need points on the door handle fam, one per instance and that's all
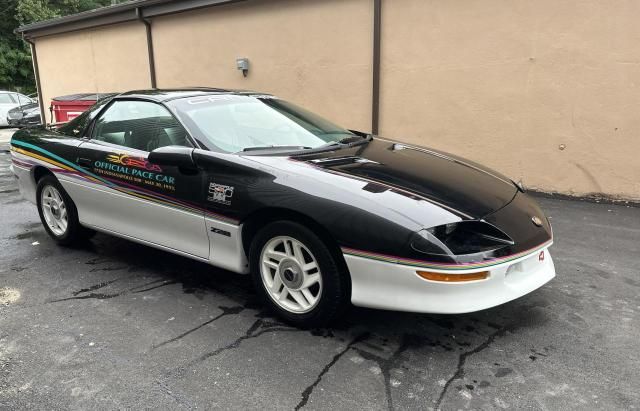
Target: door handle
(84, 162)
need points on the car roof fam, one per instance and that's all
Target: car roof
(11, 92)
(161, 95)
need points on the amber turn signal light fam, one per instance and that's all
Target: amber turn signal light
(453, 278)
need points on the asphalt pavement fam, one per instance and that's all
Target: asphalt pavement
(113, 324)
(5, 136)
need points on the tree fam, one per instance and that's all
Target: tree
(15, 60)
(16, 70)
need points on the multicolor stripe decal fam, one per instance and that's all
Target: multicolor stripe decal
(22, 164)
(62, 166)
(443, 266)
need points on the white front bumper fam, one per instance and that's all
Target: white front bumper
(391, 286)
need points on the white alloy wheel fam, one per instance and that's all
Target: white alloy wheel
(290, 274)
(54, 210)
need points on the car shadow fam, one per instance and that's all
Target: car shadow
(425, 347)
(202, 280)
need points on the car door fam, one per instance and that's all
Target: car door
(125, 194)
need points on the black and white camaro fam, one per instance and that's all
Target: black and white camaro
(319, 215)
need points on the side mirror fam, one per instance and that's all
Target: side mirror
(177, 156)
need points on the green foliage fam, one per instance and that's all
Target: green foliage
(15, 66)
(16, 70)
(29, 11)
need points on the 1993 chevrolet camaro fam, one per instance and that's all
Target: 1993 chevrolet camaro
(318, 215)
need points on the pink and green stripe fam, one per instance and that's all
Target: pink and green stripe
(443, 266)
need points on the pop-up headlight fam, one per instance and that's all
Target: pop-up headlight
(470, 240)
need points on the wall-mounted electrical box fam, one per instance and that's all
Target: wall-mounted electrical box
(243, 64)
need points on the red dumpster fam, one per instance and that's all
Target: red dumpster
(66, 108)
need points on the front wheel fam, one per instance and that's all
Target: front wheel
(297, 274)
(58, 213)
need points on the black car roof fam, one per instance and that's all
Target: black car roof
(84, 96)
(161, 95)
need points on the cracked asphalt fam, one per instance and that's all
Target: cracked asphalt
(113, 324)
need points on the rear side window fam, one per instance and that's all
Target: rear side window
(75, 127)
(140, 125)
(6, 98)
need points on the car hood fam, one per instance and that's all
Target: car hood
(24, 108)
(463, 187)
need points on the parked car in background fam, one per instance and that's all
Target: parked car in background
(26, 115)
(10, 100)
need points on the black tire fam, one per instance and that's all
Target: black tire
(334, 297)
(75, 232)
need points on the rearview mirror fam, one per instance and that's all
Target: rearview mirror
(177, 156)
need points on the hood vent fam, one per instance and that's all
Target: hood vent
(398, 147)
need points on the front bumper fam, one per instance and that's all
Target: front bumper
(391, 286)
(13, 122)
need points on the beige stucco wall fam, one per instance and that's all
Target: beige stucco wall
(315, 53)
(503, 82)
(507, 82)
(107, 59)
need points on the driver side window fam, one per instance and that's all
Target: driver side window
(140, 125)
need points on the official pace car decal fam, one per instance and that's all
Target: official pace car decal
(59, 165)
(137, 170)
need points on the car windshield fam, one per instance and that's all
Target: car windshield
(235, 123)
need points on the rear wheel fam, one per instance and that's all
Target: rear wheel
(58, 212)
(297, 274)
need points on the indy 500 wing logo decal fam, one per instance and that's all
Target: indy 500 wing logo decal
(138, 162)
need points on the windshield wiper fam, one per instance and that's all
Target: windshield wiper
(348, 141)
(354, 139)
(259, 148)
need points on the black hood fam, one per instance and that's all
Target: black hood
(467, 188)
